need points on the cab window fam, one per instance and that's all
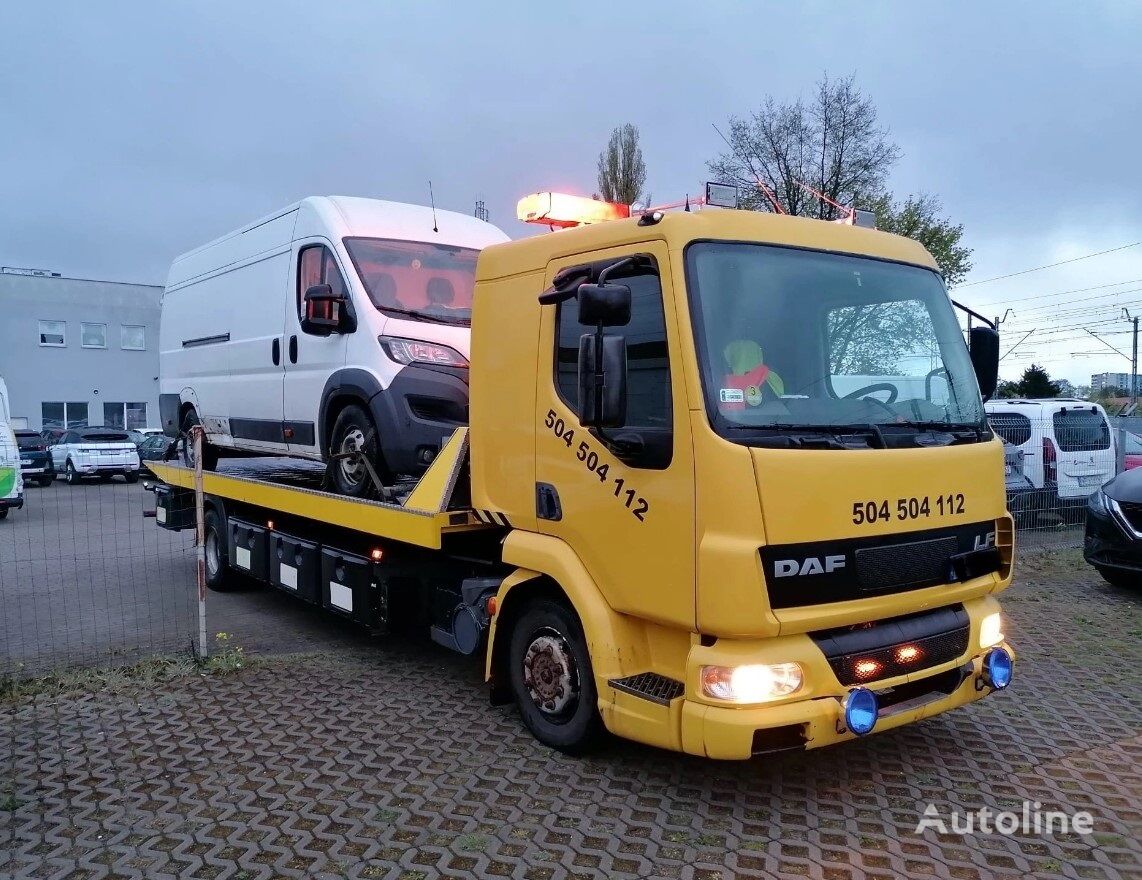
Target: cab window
(316, 265)
(646, 439)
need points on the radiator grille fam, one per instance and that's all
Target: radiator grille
(904, 566)
(911, 656)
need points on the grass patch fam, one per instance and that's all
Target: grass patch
(1046, 561)
(472, 842)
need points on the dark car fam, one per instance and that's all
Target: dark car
(35, 461)
(153, 448)
(52, 436)
(1113, 542)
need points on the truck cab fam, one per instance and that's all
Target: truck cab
(747, 456)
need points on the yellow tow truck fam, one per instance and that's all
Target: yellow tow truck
(727, 487)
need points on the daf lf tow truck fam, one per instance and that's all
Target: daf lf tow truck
(727, 487)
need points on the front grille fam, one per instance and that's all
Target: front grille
(1133, 514)
(873, 652)
(904, 566)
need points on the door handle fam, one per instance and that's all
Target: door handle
(293, 349)
(276, 351)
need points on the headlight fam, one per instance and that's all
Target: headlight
(1097, 502)
(756, 683)
(991, 630)
(413, 351)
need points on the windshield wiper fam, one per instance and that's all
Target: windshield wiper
(785, 429)
(428, 316)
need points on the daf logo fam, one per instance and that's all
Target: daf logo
(811, 565)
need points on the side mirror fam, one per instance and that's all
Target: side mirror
(326, 312)
(604, 305)
(984, 348)
(603, 380)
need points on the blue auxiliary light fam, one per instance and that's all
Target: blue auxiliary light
(997, 668)
(861, 708)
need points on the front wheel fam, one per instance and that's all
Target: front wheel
(354, 438)
(551, 678)
(70, 475)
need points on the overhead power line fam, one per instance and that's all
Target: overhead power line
(1004, 301)
(1049, 265)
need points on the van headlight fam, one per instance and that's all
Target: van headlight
(413, 351)
(991, 630)
(754, 683)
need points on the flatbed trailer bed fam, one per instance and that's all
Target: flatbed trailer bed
(423, 556)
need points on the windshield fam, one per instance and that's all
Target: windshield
(795, 338)
(415, 279)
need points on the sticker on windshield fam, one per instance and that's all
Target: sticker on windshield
(732, 395)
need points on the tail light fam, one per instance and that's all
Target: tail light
(1050, 468)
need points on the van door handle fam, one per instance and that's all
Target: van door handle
(293, 349)
(276, 351)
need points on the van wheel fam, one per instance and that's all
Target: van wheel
(3, 512)
(551, 678)
(216, 552)
(186, 447)
(354, 431)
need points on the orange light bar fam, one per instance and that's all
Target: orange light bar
(563, 210)
(907, 654)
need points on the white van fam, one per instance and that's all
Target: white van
(11, 480)
(1068, 445)
(336, 324)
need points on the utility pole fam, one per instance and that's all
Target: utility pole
(1134, 357)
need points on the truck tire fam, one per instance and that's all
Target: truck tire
(354, 430)
(186, 448)
(216, 552)
(551, 678)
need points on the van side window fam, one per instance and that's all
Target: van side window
(648, 369)
(316, 265)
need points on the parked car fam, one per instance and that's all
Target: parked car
(52, 436)
(96, 452)
(35, 460)
(139, 435)
(11, 480)
(153, 448)
(1132, 450)
(1021, 494)
(1113, 540)
(1068, 446)
(333, 326)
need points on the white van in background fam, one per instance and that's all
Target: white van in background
(336, 324)
(1068, 445)
(11, 480)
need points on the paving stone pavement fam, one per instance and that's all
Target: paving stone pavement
(387, 762)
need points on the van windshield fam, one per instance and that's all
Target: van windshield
(428, 282)
(794, 339)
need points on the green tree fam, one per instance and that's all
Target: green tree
(919, 217)
(1035, 382)
(622, 171)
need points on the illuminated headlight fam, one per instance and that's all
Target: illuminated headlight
(756, 683)
(991, 630)
(413, 351)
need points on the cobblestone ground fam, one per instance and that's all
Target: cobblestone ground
(388, 762)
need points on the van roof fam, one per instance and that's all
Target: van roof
(335, 217)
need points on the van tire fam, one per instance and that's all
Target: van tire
(547, 640)
(3, 512)
(185, 447)
(354, 429)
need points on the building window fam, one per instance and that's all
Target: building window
(124, 416)
(52, 333)
(63, 415)
(134, 337)
(93, 335)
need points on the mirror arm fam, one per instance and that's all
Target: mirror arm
(975, 315)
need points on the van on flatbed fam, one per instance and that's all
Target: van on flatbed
(726, 487)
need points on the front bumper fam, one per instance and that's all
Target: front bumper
(1106, 543)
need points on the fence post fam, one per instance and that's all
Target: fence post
(200, 539)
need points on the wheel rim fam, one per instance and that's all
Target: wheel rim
(213, 554)
(70, 472)
(550, 675)
(352, 469)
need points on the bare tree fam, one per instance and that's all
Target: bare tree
(622, 173)
(831, 143)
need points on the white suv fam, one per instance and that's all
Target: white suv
(96, 452)
(1068, 445)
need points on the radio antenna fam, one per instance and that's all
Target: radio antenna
(432, 201)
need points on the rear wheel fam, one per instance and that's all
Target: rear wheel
(132, 477)
(186, 444)
(3, 512)
(216, 552)
(354, 432)
(1122, 578)
(70, 475)
(47, 481)
(551, 677)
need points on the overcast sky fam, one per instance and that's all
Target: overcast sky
(130, 132)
